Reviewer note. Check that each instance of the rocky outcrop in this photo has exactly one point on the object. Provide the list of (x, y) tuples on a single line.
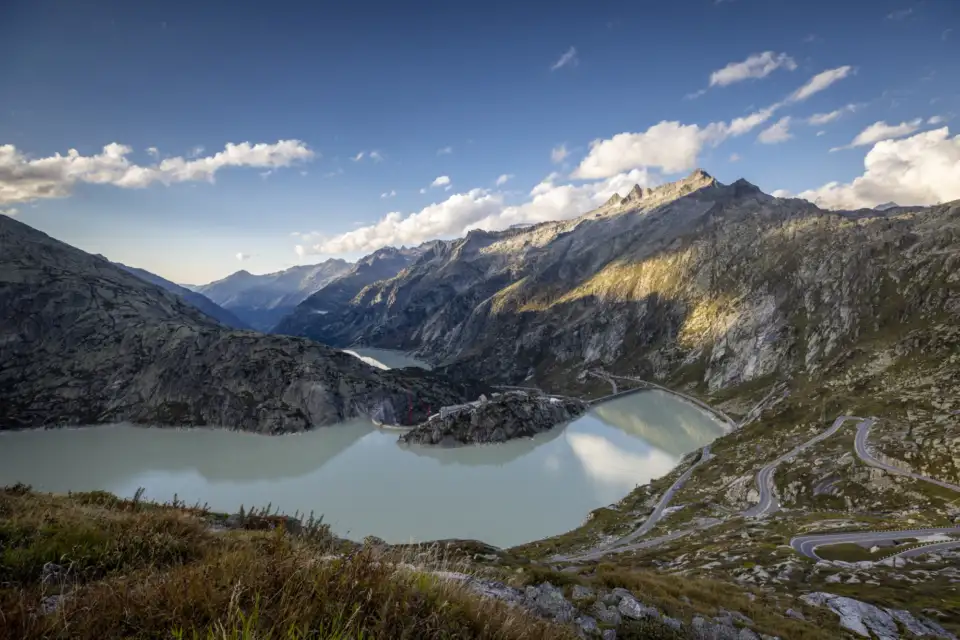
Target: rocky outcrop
[(713, 284), (514, 414), (609, 611), (863, 618), (84, 342)]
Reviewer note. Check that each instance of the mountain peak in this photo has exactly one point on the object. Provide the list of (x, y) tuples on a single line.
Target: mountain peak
[(614, 201)]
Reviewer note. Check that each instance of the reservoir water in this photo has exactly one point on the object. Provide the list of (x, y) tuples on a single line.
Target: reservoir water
[(386, 358), (364, 482)]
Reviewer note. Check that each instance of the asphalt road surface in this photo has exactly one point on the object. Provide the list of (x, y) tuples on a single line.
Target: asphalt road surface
[(807, 545), (863, 452), (768, 502), (621, 544)]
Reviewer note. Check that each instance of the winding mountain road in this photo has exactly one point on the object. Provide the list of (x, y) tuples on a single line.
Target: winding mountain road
[(768, 503), (807, 545), (862, 449), (623, 544)]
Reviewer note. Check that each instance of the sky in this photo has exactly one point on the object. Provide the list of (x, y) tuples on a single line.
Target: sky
[(194, 139)]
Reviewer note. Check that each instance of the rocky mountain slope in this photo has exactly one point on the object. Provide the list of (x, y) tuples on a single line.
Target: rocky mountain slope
[(261, 301), (695, 281), (83, 341), (198, 300), (309, 318)]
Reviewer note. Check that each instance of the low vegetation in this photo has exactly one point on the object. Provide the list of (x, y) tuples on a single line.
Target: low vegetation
[(94, 566)]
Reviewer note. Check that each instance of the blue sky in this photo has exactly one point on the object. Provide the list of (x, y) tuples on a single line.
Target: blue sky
[(466, 91)]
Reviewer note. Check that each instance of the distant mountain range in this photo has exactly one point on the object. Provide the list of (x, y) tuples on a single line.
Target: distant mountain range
[(198, 300), (262, 300)]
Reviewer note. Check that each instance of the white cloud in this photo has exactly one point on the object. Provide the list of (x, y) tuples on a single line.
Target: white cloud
[(936, 120), (504, 177), (781, 193), (671, 147), (558, 154), (243, 257), (376, 156), (820, 119), (359, 156), (434, 221), (483, 209), (445, 151), (440, 181), (23, 179), (331, 174), (821, 133), (196, 151), (153, 151), (11, 212), (735, 157), (757, 66), (819, 82), (882, 131), (900, 14), (779, 132), (569, 58), (424, 190), (920, 170), (388, 194)]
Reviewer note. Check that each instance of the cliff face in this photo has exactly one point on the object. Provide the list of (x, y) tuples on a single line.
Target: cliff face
[(82, 341), (318, 316), (693, 282), (198, 300)]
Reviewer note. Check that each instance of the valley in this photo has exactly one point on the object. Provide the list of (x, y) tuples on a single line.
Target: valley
[(720, 340)]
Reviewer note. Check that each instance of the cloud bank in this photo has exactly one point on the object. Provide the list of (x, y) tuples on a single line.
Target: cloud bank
[(23, 179)]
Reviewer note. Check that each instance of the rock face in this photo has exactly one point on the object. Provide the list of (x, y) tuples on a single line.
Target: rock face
[(515, 414), (261, 301), (83, 342), (318, 316), (198, 300), (863, 618), (715, 284)]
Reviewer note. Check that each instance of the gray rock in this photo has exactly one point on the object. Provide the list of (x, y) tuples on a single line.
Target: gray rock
[(607, 615), (515, 414), (580, 592), (673, 623), (704, 629), (748, 634), (587, 625), (547, 601), (630, 608), (793, 613), (52, 573), (608, 634), (51, 604), (859, 617), (86, 342)]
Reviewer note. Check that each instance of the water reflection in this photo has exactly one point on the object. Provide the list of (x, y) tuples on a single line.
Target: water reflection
[(364, 482), (386, 358)]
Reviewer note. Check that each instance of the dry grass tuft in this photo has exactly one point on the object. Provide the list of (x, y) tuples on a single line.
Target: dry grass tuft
[(151, 571)]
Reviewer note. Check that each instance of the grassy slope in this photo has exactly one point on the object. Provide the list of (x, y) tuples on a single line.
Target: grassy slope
[(147, 571)]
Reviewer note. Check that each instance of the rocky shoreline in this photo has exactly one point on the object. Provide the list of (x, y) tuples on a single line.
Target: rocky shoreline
[(502, 417)]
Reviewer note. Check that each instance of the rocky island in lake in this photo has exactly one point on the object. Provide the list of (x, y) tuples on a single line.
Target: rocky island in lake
[(505, 416)]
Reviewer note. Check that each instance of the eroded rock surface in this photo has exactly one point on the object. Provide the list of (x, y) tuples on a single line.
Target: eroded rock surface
[(514, 414), (84, 342)]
